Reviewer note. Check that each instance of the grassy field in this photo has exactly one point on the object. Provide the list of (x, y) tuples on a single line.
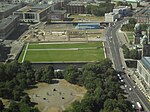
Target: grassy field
[(130, 36), (66, 52)]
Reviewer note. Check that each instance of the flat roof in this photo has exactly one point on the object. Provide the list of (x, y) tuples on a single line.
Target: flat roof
[(35, 8), (6, 21), (59, 11), (88, 23), (76, 3), (146, 62), (4, 6), (40, 6)]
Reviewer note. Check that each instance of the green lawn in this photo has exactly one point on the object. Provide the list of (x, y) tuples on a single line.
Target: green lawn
[(91, 51), (130, 36)]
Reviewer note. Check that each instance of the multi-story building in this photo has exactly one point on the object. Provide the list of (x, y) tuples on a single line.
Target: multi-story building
[(143, 68), (143, 16), (57, 15), (75, 7), (122, 11), (8, 25), (111, 17), (34, 13), (7, 9)]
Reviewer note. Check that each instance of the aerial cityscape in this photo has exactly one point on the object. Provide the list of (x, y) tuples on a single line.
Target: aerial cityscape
[(74, 55)]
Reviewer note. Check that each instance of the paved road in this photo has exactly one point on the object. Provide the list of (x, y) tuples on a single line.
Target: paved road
[(115, 54)]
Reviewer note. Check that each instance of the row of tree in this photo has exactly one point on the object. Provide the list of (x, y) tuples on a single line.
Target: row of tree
[(103, 88), (100, 10), (130, 54), (130, 25)]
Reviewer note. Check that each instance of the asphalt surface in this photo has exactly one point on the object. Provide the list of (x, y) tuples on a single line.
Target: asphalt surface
[(135, 95)]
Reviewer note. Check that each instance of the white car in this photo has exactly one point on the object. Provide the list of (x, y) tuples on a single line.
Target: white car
[(134, 86), (121, 80), (118, 75), (125, 85), (130, 89)]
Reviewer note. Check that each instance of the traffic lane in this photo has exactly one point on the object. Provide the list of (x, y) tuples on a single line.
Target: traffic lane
[(139, 94), (117, 47), (112, 48)]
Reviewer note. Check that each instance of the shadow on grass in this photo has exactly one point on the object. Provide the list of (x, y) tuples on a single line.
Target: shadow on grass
[(54, 81), (32, 87), (33, 104)]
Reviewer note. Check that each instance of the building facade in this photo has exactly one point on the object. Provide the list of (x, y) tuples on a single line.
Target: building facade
[(7, 9), (143, 68), (57, 15), (34, 13), (8, 25), (75, 7), (111, 17), (122, 11)]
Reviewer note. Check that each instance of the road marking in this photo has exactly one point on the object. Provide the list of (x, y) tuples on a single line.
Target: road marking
[(25, 53), (88, 48)]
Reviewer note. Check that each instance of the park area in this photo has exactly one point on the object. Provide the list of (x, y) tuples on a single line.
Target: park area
[(130, 36), (55, 97), (62, 52)]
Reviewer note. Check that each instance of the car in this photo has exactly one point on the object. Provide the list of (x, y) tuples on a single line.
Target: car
[(118, 75), (130, 89), (148, 98), (134, 86), (125, 85), (133, 106), (121, 80), (123, 67)]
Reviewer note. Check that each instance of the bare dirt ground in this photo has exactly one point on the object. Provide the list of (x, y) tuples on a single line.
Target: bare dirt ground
[(58, 32), (55, 97)]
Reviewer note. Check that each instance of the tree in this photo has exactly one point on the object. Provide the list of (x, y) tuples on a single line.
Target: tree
[(13, 107), (1, 105), (71, 74), (23, 107), (133, 54), (110, 105), (26, 99), (132, 21)]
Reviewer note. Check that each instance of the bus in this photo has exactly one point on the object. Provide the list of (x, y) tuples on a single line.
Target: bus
[(139, 106)]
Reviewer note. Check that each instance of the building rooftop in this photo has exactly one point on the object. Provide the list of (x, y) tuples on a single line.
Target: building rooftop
[(40, 6), (4, 7), (146, 62), (111, 13), (59, 11), (35, 8), (76, 3), (6, 21)]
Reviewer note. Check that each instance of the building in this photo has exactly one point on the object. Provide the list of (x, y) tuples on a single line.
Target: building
[(122, 11), (86, 26), (130, 1), (7, 9), (57, 15), (111, 17), (143, 16), (8, 25), (76, 7), (143, 68), (34, 13), (148, 34)]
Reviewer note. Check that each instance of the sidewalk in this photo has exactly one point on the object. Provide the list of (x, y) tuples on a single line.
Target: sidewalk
[(122, 37)]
